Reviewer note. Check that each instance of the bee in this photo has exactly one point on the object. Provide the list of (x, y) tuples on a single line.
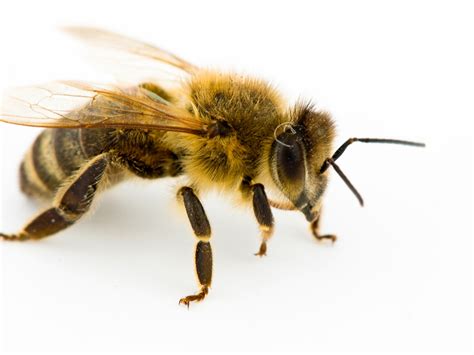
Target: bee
[(216, 130)]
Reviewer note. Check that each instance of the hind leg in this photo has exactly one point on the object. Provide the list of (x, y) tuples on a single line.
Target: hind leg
[(71, 203)]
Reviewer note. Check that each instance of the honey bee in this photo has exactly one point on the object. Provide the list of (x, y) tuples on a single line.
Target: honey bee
[(217, 130)]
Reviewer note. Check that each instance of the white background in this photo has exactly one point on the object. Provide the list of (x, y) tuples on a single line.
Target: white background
[(400, 276)]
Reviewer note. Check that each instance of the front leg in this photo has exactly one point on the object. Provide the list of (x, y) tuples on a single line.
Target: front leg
[(315, 230), (262, 211), (264, 216), (203, 252)]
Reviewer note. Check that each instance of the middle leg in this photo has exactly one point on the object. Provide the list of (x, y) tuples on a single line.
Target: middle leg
[(203, 252)]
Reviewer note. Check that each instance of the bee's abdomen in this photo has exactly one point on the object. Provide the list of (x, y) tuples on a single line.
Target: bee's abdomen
[(54, 156)]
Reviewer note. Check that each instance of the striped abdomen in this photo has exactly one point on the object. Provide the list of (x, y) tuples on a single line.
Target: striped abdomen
[(56, 155)]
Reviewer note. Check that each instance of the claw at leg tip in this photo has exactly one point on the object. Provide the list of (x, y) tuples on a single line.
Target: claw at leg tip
[(330, 237)]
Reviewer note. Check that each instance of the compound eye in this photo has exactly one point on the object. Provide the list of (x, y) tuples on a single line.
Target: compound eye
[(290, 165)]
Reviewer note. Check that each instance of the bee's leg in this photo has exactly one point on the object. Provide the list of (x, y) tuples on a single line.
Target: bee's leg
[(203, 254), (315, 230), (262, 211), (71, 203)]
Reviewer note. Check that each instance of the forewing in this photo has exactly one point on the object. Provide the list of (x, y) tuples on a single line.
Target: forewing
[(72, 104), (117, 42)]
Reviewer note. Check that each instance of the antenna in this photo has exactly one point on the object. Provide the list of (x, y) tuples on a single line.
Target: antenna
[(331, 161)]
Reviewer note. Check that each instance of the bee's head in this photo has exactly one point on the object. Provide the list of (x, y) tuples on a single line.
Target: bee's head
[(300, 148), (301, 154)]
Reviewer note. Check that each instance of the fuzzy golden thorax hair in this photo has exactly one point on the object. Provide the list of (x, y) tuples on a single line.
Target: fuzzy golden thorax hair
[(241, 114)]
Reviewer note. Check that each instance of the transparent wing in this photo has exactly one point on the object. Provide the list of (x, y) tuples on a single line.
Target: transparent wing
[(114, 41), (72, 104)]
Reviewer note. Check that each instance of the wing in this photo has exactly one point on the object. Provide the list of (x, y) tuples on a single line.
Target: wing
[(110, 40), (72, 104)]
